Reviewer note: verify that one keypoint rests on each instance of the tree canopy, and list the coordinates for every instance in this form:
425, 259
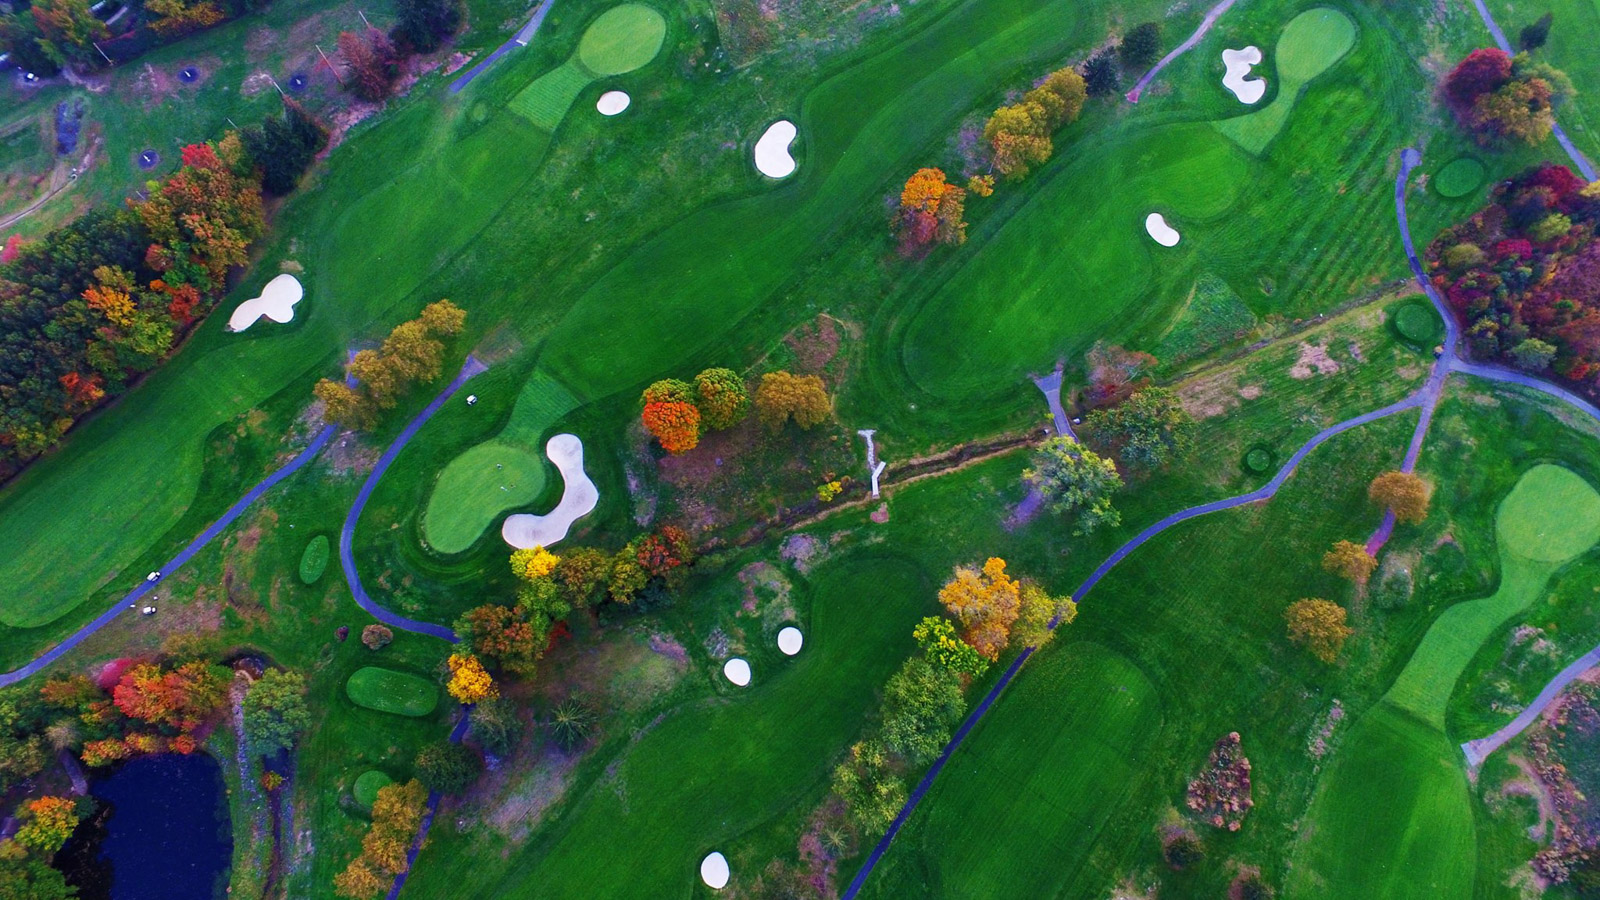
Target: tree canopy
1075, 481
1405, 494
1319, 626
1144, 431
275, 712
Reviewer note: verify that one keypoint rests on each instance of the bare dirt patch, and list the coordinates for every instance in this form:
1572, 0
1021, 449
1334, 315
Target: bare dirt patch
1314, 360
1210, 395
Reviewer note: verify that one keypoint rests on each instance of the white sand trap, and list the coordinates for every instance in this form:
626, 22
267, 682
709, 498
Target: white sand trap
714, 871
1164, 234
737, 671
789, 640
276, 302
525, 531
1239, 63
772, 151
613, 102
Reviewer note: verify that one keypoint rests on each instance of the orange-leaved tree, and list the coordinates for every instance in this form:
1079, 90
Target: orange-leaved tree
1319, 626
1402, 492
932, 211
986, 603
1349, 560
469, 681
671, 416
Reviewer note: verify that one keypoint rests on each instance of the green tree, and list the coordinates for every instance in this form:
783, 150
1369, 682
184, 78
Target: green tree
869, 787
1077, 482
497, 726
22, 749
423, 25
571, 723
1145, 430
275, 712
943, 647
1037, 609
1534, 35
282, 147
1141, 45
921, 704
23, 877
1533, 354
447, 767
722, 398
68, 30
1100, 74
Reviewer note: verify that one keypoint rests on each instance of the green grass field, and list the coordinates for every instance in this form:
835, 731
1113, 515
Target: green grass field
387, 690
1310, 44
366, 787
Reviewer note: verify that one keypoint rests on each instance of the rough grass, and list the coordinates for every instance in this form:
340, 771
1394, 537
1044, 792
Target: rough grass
387, 690
1212, 316
622, 39
1311, 43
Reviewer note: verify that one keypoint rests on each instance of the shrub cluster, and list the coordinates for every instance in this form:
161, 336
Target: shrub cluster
676, 412
1502, 99
1221, 795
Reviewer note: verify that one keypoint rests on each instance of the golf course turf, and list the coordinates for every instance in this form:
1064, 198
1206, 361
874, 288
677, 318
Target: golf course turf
1310, 44
368, 783
387, 690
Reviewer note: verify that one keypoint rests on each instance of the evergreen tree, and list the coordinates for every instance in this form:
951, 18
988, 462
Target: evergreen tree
425, 24
1100, 75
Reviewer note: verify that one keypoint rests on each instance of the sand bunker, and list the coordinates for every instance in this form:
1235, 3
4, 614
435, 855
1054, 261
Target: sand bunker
737, 671
276, 302
1164, 234
1239, 63
789, 640
714, 871
613, 102
579, 498
772, 151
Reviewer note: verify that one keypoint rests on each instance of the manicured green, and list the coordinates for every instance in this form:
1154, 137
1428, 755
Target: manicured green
1311, 43
545, 102
366, 787
622, 39
387, 690
1551, 516
1418, 322
1259, 460
467, 497
314, 561
1459, 177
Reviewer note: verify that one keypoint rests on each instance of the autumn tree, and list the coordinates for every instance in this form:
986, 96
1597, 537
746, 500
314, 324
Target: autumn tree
275, 712
412, 352
1146, 430
941, 646
581, 574
1319, 626
47, 822
1502, 99
396, 816
469, 682
502, 635
932, 211
533, 563
721, 397
986, 602
869, 786
67, 30
361, 881
1019, 134
1141, 45
372, 63
1036, 610
203, 220
180, 698
665, 552
626, 578
1403, 493
782, 396
922, 703
376, 636
1077, 482
1349, 560
178, 17
675, 425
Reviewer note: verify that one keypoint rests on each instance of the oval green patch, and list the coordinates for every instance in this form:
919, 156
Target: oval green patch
1459, 177
624, 38
314, 559
368, 783
1312, 42
1418, 322
1259, 460
386, 690
1552, 515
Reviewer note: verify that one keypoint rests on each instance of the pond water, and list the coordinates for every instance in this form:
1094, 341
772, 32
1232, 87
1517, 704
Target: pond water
165, 837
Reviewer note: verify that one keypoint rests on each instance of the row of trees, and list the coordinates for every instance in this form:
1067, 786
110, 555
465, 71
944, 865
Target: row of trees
46, 36
1502, 99
98, 302
1523, 275
677, 413
396, 817
413, 353
372, 59
1320, 625
925, 699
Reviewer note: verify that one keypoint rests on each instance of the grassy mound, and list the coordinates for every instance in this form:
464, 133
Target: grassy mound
368, 783
386, 690
1418, 322
314, 559
1072, 732
622, 39
467, 497
1459, 177
1311, 43
1259, 460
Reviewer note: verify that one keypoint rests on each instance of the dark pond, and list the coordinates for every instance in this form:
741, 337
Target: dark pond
165, 834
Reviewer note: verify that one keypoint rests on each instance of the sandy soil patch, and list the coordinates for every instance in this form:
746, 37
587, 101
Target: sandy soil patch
772, 150
1250, 391
1238, 63
612, 103
276, 302
1313, 360
1160, 231
1210, 395
579, 498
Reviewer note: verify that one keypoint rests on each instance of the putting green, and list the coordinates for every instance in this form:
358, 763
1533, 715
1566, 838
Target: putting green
1019, 302
1418, 322
368, 783
314, 560
1393, 817
622, 39
1459, 177
386, 690
467, 497
1311, 43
